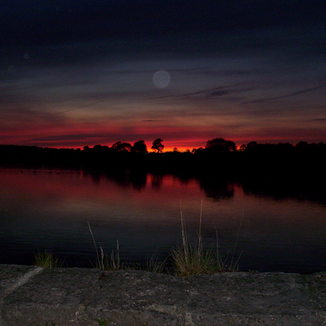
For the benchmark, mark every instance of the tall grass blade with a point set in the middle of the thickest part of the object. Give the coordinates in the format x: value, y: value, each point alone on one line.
x: 185, y: 244
x: 200, y: 241
x: 95, y: 246
x: 118, y: 255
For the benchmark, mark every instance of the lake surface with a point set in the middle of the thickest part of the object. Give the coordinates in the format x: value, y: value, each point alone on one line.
x: 50, y: 210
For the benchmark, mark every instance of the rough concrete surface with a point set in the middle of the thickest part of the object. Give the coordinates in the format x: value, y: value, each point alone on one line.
x: 87, y: 297
x: 9, y: 274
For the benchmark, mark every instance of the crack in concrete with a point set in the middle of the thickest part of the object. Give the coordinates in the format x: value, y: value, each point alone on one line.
x: 19, y: 282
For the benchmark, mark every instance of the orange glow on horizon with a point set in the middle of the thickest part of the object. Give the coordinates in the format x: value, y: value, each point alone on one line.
x: 166, y: 148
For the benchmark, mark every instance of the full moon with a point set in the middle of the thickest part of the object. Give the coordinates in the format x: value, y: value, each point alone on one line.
x: 161, y: 79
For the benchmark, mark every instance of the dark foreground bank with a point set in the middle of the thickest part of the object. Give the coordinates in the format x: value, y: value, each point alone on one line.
x: 85, y: 297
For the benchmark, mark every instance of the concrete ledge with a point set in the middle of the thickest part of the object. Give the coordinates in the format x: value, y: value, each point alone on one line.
x: 75, y: 296
x: 9, y: 274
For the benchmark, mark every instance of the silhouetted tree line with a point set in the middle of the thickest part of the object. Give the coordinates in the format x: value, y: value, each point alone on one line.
x: 219, y: 156
x: 123, y: 147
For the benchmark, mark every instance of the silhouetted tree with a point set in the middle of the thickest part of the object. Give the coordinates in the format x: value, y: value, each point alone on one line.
x: 197, y: 150
x: 116, y: 145
x: 302, y: 145
x: 121, y: 147
x: 243, y: 147
x: 157, y: 145
x: 252, y: 146
x: 220, y: 145
x: 124, y: 147
x: 139, y: 147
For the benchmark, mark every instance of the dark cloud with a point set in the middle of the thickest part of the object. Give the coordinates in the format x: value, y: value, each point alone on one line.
x: 218, y: 93
x: 153, y: 120
x: 297, y: 93
x: 210, y: 92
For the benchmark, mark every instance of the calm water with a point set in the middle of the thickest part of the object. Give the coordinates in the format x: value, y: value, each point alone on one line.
x: 50, y: 209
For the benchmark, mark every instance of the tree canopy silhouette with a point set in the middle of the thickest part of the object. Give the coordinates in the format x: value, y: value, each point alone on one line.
x: 157, y: 145
x: 139, y: 147
x: 220, y: 145
x: 121, y: 147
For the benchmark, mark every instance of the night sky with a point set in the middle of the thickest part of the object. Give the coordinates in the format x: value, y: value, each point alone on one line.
x: 75, y: 73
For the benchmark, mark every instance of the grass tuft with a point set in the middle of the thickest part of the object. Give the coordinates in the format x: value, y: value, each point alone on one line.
x: 194, y: 260
x: 155, y: 266
x: 46, y: 260
x: 112, y: 262
x: 104, y: 262
x: 193, y: 263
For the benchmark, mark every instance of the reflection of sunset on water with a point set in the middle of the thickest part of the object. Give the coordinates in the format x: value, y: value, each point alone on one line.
x: 51, y: 208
